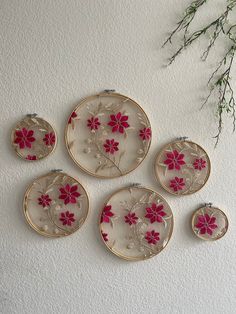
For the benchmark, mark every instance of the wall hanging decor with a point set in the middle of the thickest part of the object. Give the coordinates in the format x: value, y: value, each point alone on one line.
x: 33, y: 138
x: 182, y: 167
x: 136, y: 223
x: 209, y: 223
x: 108, y: 135
x: 56, y: 204
x: 222, y: 29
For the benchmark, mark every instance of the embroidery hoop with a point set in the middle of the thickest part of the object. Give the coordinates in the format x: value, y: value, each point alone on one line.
x: 161, y: 152
x: 26, y: 199
x: 40, y: 122
x: 220, y: 211
x: 149, y: 190
x: 106, y: 93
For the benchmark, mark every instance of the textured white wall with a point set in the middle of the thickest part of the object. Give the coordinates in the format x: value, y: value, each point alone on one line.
x: 53, y: 54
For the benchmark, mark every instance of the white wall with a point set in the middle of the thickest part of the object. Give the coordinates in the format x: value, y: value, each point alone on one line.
x: 53, y: 54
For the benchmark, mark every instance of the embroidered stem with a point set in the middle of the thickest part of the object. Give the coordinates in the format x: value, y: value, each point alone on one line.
x: 109, y: 159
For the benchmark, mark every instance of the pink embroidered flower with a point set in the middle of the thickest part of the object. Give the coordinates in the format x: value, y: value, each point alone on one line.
x: 174, y: 160
x: 24, y: 138
x: 177, y: 184
x: 44, y: 200
x: 93, y: 123
x: 206, y: 224
x: 31, y: 157
x: 145, y: 133
x: 105, y: 236
x: 199, y: 164
x: 106, y: 214
x: 69, y: 194
x: 111, y: 146
x: 72, y: 116
x: 67, y: 218
x: 152, y: 237
x: 131, y: 219
x: 49, y: 139
x: 155, y: 213
x: 118, y: 122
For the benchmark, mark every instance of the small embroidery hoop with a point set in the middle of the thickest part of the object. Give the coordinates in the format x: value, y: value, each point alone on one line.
x: 133, y: 259
x: 27, y: 117
x: 25, y: 207
x: 209, y: 205
x: 106, y: 93
x: 157, y: 159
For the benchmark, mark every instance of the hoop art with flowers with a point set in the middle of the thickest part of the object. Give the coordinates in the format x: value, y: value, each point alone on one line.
x: 56, y: 205
x: 33, y: 138
x: 136, y: 223
x: 209, y: 223
x: 108, y: 135
x: 182, y: 167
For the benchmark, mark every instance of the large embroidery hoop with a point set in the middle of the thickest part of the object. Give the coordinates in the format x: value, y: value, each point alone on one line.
x: 108, y: 135
x: 136, y: 223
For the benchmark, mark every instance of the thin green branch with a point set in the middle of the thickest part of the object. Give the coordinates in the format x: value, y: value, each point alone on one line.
x: 218, y: 27
x: 225, y: 103
x: 183, y: 24
x: 221, y: 83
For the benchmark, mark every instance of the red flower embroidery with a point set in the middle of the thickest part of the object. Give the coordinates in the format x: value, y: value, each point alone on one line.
x: 44, y: 200
x: 105, y: 236
x: 155, y: 213
x: 67, y: 218
x: 69, y: 194
x: 106, y: 214
x: 72, y: 116
x: 31, y: 157
x: 118, y: 122
x: 49, y: 139
x: 199, y: 164
x: 111, y: 146
x: 177, y: 184
x: 145, y: 133
x: 93, y: 123
x: 152, y: 237
x: 131, y: 219
x: 24, y: 138
x: 174, y: 160
x: 206, y: 224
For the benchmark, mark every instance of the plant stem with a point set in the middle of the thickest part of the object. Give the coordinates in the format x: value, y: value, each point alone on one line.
x: 218, y: 23
x: 226, y: 102
x: 183, y: 24
x: 54, y: 223
x: 109, y: 159
x: 222, y: 103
